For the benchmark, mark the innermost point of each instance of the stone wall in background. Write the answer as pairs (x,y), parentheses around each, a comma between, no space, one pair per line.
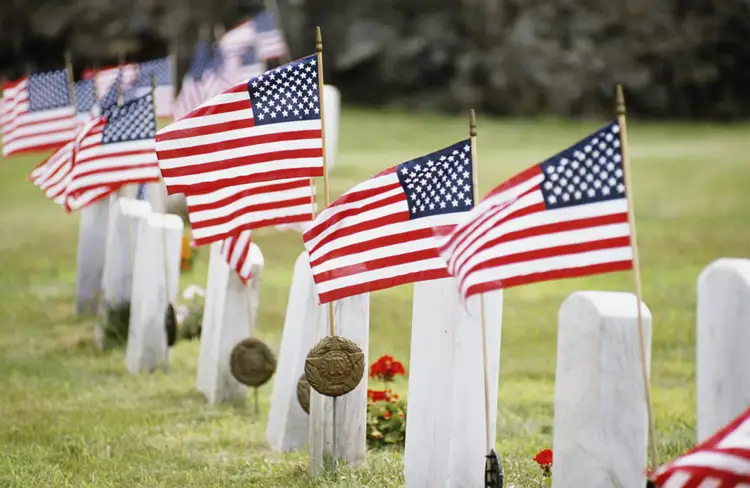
(676,58)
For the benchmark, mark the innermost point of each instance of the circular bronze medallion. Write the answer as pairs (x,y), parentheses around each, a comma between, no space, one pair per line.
(252,363)
(335,366)
(303,394)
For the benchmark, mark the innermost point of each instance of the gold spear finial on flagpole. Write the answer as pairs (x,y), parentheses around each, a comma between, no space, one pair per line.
(621,120)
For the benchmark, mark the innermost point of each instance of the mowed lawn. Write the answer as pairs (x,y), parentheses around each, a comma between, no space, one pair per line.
(73,416)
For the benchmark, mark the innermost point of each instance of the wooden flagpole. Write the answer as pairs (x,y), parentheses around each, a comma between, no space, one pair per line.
(319,52)
(331,323)
(475,184)
(620,110)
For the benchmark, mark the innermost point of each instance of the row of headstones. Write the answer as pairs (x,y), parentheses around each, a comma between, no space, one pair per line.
(600,421)
(140,252)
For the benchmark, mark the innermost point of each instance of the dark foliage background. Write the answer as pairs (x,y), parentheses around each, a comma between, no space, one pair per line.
(676,58)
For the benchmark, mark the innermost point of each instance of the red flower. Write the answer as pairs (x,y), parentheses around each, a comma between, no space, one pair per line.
(387,415)
(544,459)
(379,395)
(386,368)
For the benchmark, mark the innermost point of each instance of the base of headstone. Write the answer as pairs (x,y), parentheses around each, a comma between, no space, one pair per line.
(445,432)
(147,338)
(347,444)
(226,322)
(288,424)
(601,421)
(92,238)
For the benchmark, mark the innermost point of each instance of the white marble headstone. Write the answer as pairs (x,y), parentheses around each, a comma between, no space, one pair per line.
(124,223)
(722,341)
(446,439)
(351,320)
(147,338)
(288,424)
(601,420)
(92,240)
(332,107)
(226,322)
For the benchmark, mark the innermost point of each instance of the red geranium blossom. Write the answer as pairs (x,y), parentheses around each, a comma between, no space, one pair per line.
(380,395)
(544,459)
(385,368)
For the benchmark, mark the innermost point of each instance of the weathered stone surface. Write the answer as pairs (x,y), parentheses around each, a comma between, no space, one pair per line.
(92,241)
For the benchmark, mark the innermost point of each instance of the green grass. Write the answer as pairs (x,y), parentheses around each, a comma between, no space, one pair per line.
(73,416)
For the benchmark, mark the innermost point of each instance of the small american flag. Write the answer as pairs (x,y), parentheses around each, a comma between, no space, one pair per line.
(722,461)
(563,218)
(236,251)
(104,77)
(163,91)
(114,149)
(37,113)
(381,233)
(270,41)
(267,128)
(109,99)
(219,214)
(191,92)
(53,174)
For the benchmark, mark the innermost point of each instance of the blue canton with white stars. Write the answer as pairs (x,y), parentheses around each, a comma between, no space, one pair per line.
(132,121)
(588,172)
(49,90)
(85,95)
(288,93)
(109,99)
(439,183)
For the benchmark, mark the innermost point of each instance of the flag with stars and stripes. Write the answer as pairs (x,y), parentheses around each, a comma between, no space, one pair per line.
(85,100)
(722,461)
(266,128)
(109,99)
(105,77)
(381,233)
(563,218)
(191,92)
(161,69)
(53,174)
(270,40)
(236,252)
(219,214)
(114,149)
(38,113)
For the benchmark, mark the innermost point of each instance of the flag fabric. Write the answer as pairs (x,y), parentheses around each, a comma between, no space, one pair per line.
(236,251)
(381,233)
(104,77)
(85,100)
(161,69)
(37,113)
(722,461)
(270,40)
(235,42)
(114,149)
(53,174)
(109,99)
(222,213)
(267,128)
(563,218)
(191,92)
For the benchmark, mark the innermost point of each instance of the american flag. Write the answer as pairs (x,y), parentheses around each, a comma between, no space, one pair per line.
(219,214)
(270,41)
(191,92)
(267,128)
(163,92)
(85,100)
(53,174)
(37,113)
(236,251)
(103,78)
(235,42)
(563,218)
(109,99)
(115,149)
(722,461)
(381,233)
